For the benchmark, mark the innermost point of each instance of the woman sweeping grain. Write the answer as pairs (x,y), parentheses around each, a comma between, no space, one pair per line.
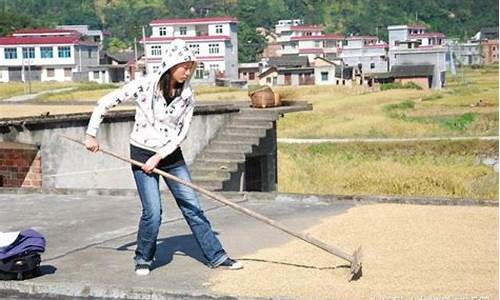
(164,108)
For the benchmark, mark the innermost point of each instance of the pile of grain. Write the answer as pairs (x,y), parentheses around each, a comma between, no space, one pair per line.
(409,251)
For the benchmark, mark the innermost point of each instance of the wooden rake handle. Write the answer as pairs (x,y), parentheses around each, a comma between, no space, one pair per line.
(305,237)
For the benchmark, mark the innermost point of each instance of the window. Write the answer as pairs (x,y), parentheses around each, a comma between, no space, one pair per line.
(200,69)
(163,31)
(213,48)
(67,72)
(275,80)
(46,52)
(89,53)
(64,51)
(156,50)
(96,74)
(195,48)
(316,44)
(214,67)
(268,80)
(218,28)
(183,30)
(372,65)
(10,53)
(308,33)
(251,75)
(29,52)
(155,68)
(324,76)
(50,72)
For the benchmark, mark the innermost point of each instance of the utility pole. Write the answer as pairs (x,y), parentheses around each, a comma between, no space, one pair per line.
(29,76)
(145,54)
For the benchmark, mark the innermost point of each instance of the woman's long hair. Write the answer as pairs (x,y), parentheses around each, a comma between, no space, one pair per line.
(164,85)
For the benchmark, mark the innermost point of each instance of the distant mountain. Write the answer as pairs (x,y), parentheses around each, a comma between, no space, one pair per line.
(124,18)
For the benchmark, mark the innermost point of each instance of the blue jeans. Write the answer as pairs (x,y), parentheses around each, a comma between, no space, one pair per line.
(187,200)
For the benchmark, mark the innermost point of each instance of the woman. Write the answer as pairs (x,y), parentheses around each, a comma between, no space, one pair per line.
(164,109)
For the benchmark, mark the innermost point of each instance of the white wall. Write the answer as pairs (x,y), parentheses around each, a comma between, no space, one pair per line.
(318,78)
(55,60)
(4,75)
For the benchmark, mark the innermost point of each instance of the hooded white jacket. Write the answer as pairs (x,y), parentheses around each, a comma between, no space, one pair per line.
(158,127)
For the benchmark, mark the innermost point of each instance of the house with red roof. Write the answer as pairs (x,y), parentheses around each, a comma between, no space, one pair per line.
(213,40)
(46,54)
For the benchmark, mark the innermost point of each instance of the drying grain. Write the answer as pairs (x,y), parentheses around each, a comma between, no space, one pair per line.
(410,251)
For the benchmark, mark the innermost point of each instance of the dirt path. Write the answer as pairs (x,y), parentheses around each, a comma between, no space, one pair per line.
(410,251)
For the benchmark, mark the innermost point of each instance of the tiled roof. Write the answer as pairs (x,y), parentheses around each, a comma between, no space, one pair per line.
(194,20)
(40,40)
(400,71)
(288,61)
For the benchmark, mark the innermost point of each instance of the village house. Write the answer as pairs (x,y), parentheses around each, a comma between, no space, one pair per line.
(286,70)
(366,55)
(249,72)
(47,55)
(413,46)
(213,40)
(488,40)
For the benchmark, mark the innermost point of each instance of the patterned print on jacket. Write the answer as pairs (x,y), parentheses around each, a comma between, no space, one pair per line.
(158,127)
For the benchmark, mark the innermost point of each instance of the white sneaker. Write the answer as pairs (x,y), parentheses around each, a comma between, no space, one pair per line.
(231,264)
(141,269)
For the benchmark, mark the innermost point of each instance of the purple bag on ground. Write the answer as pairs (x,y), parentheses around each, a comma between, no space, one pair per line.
(21,259)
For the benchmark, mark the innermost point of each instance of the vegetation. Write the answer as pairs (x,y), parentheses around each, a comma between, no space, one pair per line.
(12,89)
(436,169)
(124,18)
(399,85)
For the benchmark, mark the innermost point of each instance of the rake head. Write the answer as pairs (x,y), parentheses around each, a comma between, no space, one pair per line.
(356,266)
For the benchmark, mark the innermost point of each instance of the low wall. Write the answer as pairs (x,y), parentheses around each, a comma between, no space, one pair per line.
(67,165)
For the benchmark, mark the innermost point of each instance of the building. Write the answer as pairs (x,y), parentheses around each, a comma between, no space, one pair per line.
(366,54)
(249,72)
(47,55)
(286,70)
(488,40)
(324,71)
(468,53)
(411,45)
(489,49)
(93,35)
(213,40)
(418,74)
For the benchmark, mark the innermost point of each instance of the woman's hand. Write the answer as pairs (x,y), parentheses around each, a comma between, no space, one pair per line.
(151,163)
(91,143)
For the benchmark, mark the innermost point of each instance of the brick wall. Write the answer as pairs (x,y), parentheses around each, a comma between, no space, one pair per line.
(423,82)
(20,167)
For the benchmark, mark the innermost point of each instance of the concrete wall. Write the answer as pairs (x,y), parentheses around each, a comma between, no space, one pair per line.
(68,165)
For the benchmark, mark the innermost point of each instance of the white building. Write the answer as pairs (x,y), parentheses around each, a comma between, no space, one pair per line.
(47,55)
(214,42)
(412,46)
(365,53)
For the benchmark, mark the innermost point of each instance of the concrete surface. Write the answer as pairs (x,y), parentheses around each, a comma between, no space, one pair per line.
(91,242)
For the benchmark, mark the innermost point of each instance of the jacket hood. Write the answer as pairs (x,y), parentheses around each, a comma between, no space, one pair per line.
(177,52)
